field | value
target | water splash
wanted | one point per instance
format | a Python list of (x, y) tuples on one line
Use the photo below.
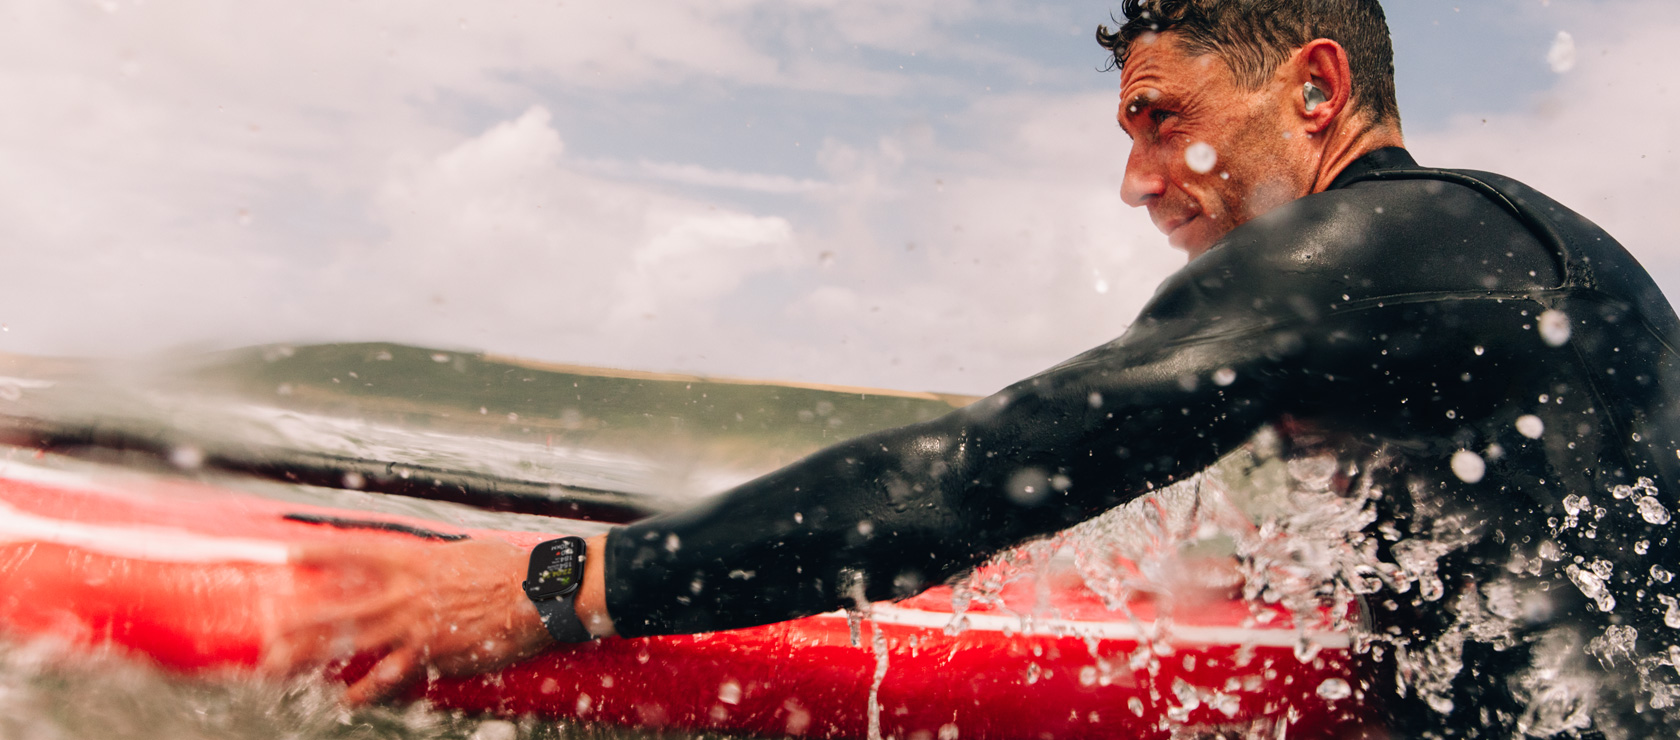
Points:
[(1592, 586), (878, 643)]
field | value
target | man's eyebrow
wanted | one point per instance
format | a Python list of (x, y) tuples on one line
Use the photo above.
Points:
[(1141, 102)]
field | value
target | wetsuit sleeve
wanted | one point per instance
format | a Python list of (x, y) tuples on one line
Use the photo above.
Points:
[(889, 514)]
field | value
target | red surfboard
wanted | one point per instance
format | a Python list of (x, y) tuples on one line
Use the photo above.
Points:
[(172, 571)]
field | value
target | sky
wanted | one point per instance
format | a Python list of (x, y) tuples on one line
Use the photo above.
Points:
[(917, 195)]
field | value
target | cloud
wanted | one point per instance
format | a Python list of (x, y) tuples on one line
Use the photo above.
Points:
[(691, 174), (497, 242), (195, 172)]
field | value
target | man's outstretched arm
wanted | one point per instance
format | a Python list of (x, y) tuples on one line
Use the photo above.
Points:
[(893, 512), (876, 517)]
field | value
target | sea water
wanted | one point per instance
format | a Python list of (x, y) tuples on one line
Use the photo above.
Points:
[(48, 695)]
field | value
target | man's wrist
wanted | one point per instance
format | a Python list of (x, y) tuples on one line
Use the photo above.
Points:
[(591, 598)]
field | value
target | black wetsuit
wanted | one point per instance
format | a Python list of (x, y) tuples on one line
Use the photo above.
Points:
[(1407, 315)]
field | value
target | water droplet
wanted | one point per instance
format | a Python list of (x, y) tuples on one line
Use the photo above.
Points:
[(1306, 648), (1028, 487), (1088, 676), (1554, 328), (1672, 616), (1480, 350), (1095, 399), (729, 692), (1335, 688), (948, 732), (583, 704), (672, 542), (495, 729), (1660, 575), (1561, 56), (354, 480), (1592, 586), (1530, 426), (866, 527), (1652, 510), (1224, 376), (187, 457), (1201, 157), (1468, 466)]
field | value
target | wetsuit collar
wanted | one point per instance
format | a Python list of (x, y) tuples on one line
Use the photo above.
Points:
[(1387, 158)]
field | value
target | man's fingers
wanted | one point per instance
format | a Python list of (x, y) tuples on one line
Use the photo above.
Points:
[(389, 676), (301, 647), (404, 599), (313, 630)]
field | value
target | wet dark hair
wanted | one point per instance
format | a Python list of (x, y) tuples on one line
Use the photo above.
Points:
[(1254, 36)]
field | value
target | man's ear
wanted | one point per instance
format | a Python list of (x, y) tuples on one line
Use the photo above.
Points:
[(1323, 64)]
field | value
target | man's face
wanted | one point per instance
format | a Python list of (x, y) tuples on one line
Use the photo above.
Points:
[(1207, 155)]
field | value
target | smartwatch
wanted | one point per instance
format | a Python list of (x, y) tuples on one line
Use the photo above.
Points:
[(552, 584)]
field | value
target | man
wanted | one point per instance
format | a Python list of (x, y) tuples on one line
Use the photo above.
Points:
[(1487, 372)]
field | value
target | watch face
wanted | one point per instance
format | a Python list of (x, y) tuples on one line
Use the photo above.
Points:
[(556, 568)]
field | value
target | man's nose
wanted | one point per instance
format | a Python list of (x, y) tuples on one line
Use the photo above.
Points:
[(1144, 182)]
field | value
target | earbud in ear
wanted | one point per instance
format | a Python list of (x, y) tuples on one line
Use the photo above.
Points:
[(1314, 96)]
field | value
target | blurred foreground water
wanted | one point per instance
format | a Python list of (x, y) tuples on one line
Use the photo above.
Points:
[(47, 695)]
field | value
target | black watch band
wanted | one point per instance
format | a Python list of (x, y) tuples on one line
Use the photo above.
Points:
[(561, 619), (552, 584)]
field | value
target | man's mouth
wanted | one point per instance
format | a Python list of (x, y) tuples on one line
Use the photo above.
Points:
[(1172, 225)]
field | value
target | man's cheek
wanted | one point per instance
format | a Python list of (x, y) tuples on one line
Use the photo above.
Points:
[(1264, 196)]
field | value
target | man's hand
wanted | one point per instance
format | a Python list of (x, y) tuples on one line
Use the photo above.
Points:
[(457, 608)]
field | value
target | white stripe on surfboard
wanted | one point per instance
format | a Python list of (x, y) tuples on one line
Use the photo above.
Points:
[(1117, 630), (157, 544), (19, 471)]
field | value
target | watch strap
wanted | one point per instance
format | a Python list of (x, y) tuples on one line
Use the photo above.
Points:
[(559, 616)]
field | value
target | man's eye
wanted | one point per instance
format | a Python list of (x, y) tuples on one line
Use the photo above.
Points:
[(1160, 116)]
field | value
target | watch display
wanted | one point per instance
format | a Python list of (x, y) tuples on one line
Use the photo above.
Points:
[(556, 569)]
